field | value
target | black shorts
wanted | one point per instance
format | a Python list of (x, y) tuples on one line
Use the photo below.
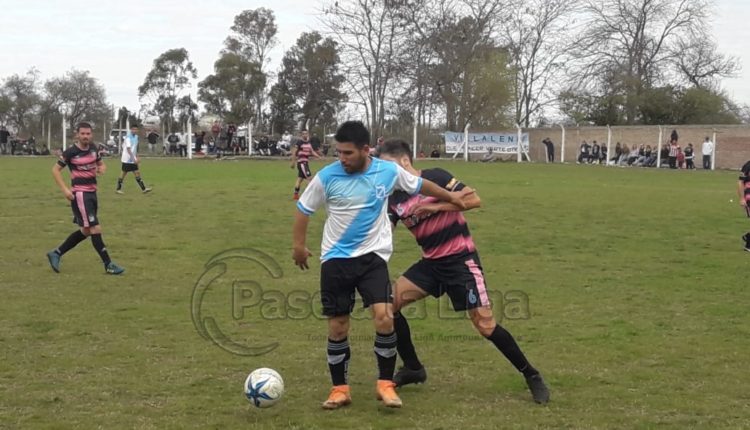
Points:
[(84, 206), (461, 277), (340, 277), (303, 170), (129, 167)]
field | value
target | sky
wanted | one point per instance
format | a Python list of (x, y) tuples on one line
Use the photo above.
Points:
[(117, 41)]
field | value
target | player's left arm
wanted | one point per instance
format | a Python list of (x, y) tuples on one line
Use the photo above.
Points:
[(741, 192), (101, 168)]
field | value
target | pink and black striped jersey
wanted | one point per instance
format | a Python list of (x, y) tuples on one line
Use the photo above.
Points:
[(441, 234), (82, 164), (304, 151)]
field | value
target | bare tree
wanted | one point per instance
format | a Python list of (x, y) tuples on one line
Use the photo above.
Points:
[(537, 37), (371, 37), (635, 40), (253, 37), (701, 64)]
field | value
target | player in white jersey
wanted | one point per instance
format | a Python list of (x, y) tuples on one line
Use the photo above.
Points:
[(356, 246), (129, 158)]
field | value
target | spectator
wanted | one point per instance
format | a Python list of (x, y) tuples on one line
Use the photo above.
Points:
[(680, 158), (173, 139), (489, 157), (624, 154), (315, 142), (632, 156), (708, 152), (673, 154), (674, 137), (183, 144), (585, 151), (664, 155), (200, 139), (231, 131), (595, 152), (152, 137), (603, 155), (690, 157), (4, 136), (375, 150), (550, 149), (618, 153), (435, 153)]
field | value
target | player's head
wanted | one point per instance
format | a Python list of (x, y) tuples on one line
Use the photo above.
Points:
[(353, 145), (134, 129), (84, 131), (396, 150), (305, 135)]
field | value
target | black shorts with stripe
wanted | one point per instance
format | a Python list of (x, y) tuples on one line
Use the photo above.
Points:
[(460, 276), (129, 167), (84, 207), (303, 170), (341, 277)]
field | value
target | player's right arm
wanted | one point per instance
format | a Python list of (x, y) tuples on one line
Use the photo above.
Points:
[(57, 174), (312, 198), (741, 192)]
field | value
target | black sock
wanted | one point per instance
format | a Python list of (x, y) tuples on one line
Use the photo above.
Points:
[(338, 361), (385, 352), (504, 341), (96, 240), (140, 183), (404, 344), (74, 239), (296, 190), (119, 184)]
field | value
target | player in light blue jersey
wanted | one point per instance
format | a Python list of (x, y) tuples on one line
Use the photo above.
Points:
[(356, 246)]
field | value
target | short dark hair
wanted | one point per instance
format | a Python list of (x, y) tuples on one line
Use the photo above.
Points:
[(354, 132), (83, 124), (395, 147)]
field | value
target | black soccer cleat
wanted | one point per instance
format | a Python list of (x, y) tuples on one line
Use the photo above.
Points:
[(406, 376), (746, 238), (538, 388)]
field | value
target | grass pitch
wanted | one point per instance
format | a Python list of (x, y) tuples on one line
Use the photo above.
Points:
[(627, 288)]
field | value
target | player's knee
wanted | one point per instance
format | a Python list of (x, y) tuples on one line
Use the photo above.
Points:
[(383, 320), (483, 321), (86, 231), (338, 328)]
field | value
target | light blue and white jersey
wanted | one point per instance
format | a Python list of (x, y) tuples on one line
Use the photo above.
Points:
[(130, 141), (357, 222)]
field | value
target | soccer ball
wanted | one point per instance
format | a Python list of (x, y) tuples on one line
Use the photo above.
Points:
[(264, 387)]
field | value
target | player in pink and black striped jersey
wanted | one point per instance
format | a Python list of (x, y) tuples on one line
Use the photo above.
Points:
[(301, 154), (743, 192), (84, 164), (450, 265)]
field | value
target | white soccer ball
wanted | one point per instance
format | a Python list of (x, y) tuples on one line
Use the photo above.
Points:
[(264, 387)]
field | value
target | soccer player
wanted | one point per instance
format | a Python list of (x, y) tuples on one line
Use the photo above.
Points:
[(743, 191), (84, 164), (130, 160), (301, 158), (450, 265), (356, 246)]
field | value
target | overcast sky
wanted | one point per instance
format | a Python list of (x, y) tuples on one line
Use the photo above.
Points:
[(117, 41)]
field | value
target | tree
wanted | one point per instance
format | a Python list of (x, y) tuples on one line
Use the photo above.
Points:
[(20, 96), (701, 64), (230, 91), (170, 74), (254, 35), (537, 42), (79, 93), (371, 36), (310, 74), (284, 108), (635, 41)]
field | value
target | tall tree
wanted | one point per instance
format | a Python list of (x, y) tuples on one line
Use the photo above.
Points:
[(253, 36), (310, 72), (21, 98), (82, 96), (170, 75), (372, 35), (537, 38), (635, 41), (230, 91)]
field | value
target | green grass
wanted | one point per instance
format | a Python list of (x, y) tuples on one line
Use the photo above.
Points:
[(634, 282)]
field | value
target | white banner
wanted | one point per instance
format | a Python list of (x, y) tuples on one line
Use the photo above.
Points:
[(479, 143)]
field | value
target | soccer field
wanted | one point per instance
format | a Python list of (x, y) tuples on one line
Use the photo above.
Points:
[(627, 288)]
